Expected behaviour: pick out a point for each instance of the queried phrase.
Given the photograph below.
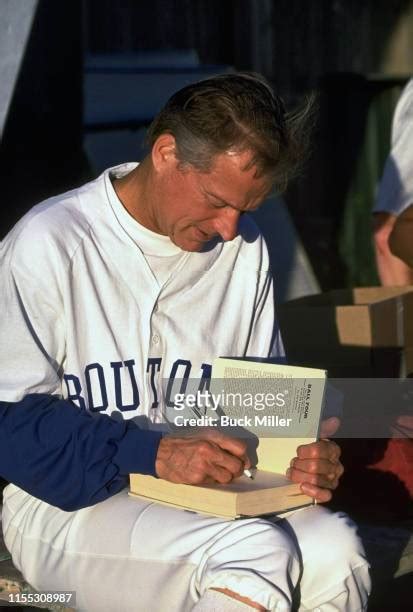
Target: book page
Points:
(273, 428)
(266, 390)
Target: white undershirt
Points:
(160, 252)
(162, 255)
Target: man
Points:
(114, 290)
(395, 193)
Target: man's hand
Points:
(201, 458)
(317, 465)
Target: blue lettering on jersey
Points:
(74, 390)
(117, 365)
(205, 382)
(183, 377)
(103, 393)
(153, 366)
(96, 389)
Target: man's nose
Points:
(226, 223)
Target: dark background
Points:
(355, 53)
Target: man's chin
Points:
(188, 245)
(192, 246)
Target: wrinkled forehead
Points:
(234, 180)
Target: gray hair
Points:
(236, 112)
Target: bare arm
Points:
(391, 269)
(401, 237)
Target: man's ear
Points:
(164, 152)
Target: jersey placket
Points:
(153, 378)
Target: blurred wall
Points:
(292, 42)
(41, 146)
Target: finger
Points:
(324, 467)
(213, 455)
(235, 446)
(247, 463)
(323, 449)
(329, 427)
(232, 464)
(216, 465)
(208, 475)
(317, 493)
(218, 474)
(318, 480)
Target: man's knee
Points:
(256, 560)
(330, 535)
(335, 566)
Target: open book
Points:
(275, 408)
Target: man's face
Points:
(193, 207)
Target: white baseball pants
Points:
(124, 554)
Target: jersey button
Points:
(155, 339)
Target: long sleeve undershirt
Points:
(68, 457)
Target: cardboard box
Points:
(354, 332)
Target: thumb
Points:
(329, 427)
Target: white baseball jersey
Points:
(86, 318)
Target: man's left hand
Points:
(317, 465)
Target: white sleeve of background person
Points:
(395, 191)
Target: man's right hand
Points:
(201, 458)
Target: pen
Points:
(248, 474)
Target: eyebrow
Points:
(213, 195)
(240, 210)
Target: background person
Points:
(395, 192)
